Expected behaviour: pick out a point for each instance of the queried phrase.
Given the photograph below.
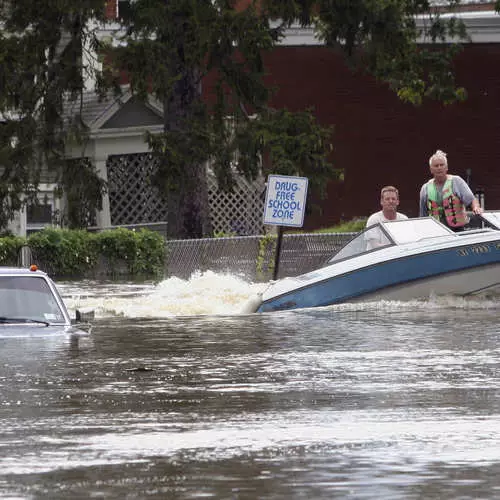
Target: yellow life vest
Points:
(451, 209)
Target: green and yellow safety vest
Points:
(449, 207)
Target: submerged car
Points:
(398, 260)
(30, 304)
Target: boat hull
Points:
(484, 279)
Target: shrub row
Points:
(78, 253)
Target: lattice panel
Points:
(134, 200)
(132, 197)
(239, 212)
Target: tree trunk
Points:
(188, 207)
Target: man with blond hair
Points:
(389, 200)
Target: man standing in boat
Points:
(445, 197)
(389, 200)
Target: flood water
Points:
(176, 395)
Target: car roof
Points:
(20, 271)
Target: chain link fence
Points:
(253, 256)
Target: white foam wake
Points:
(206, 293)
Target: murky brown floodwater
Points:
(381, 400)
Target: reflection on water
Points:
(168, 398)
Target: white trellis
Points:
(135, 200)
(132, 196)
(239, 212)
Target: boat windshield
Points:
(410, 230)
(372, 238)
(391, 233)
(493, 218)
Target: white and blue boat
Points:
(399, 260)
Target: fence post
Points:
(277, 254)
(24, 256)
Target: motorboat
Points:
(398, 260)
(30, 305)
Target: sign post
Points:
(285, 206)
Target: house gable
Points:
(133, 113)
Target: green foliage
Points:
(67, 252)
(265, 256)
(149, 257)
(352, 226)
(77, 253)
(170, 46)
(42, 46)
(383, 37)
(9, 249)
(83, 189)
(293, 143)
(222, 234)
(142, 252)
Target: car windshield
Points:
(28, 298)
(391, 233)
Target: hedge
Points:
(82, 254)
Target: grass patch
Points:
(351, 226)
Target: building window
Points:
(124, 9)
(38, 216)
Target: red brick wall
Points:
(378, 140)
(111, 9)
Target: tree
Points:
(42, 52)
(384, 37)
(171, 45)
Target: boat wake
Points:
(204, 293)
(209, 293)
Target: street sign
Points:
(285, 200)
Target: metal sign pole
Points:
(277, 253)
